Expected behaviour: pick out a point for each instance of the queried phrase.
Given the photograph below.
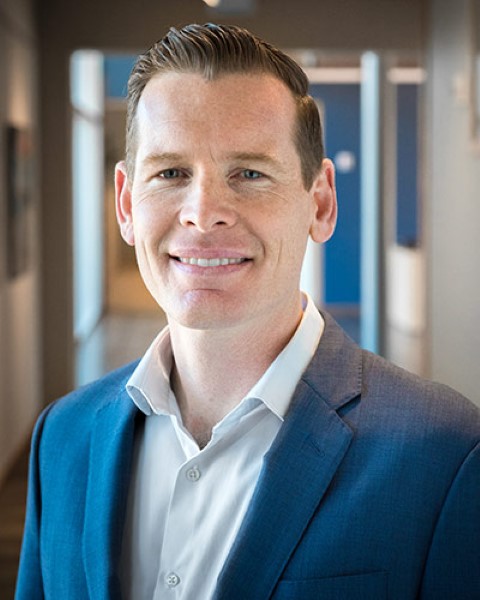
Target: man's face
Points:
(217, 210)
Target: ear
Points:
(324, 196)
(123, 203)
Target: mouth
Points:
(209, 262)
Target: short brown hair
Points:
(214, 50)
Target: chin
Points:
(204, 320)
(206, 311)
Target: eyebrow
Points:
(254, 156)
(155, 157)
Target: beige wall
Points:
(19, 297)
(453, 208)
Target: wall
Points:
(19, 294)
(128, 26)
(453, 209)
(300, 24)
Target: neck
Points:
(214, 369)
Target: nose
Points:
(208, 205)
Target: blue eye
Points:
(170, 174)
(251, 174)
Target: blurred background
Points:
(397, 83)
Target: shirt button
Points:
(172, 580)
(193, 474)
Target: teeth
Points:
(210, 262)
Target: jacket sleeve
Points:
(29, 580)
(453, 565)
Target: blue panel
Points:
(117, 71)
(407, 167)
(342, 133)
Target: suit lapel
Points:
(107, 492)
(297, 470)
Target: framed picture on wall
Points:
(475, 72)
(19, 201)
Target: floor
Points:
(117, 340)
(12, 515)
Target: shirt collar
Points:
(149, 384)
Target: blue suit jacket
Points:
(370, 490)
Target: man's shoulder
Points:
(382, 396)
(405, 400)
(382, 377)
(63, 434)
(88, 399)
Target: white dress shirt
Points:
(186, 505)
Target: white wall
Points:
(19, 296)
(453, 205)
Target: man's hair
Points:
(214, 50)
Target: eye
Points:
(170, 174)
(251, 174)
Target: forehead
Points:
(234, 106)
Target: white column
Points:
(311, 280)
(87, 95)
(371, 218)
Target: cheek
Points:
(294, 246)
(288, 229)
(150, 223)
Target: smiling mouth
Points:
(210, 262)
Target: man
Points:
(255, 451)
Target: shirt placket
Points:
(180, 531)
